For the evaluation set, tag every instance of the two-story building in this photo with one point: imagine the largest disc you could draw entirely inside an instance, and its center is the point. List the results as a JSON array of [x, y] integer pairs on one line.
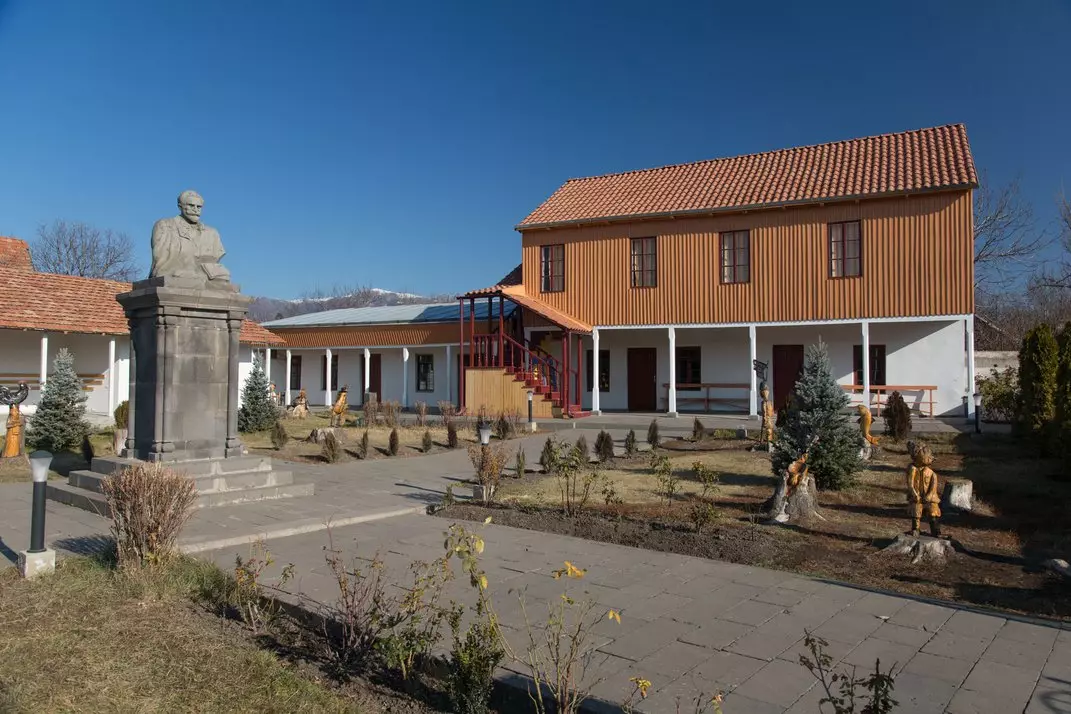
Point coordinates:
[[662, 289]]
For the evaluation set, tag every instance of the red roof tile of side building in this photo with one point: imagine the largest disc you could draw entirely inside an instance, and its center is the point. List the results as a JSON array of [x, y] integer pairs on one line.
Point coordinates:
[[15, 254], [890, 164], [66, 303]]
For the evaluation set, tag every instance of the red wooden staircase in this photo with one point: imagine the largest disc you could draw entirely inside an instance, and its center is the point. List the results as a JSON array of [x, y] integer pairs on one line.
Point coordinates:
[[543, 373]]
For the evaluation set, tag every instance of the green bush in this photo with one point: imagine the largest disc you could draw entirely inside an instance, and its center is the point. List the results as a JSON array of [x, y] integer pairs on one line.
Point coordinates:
[[604, 447], [1000, 395], [897, 417], [653, 437], [59, 422], [474, 658], [630, 444], [257, 412], [548, 455], [582, 450], [122, 414], [426, 443], [817, 423], [1037, 380]]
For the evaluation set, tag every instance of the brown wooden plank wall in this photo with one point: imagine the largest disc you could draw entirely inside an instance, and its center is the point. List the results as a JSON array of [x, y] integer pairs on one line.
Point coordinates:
[[917, 260], [406, 334]]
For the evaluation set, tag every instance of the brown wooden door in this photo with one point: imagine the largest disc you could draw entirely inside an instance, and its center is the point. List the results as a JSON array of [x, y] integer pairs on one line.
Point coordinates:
[[642, 377], [787, 366], [375, 376]]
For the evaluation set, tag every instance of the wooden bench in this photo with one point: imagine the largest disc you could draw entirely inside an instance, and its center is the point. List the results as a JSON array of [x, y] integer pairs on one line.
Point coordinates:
[[923, 404], [706, 400]]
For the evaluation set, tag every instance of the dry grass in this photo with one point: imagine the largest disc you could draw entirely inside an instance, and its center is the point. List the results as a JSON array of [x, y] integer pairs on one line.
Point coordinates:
[[91, 638], [18, 470], [297, 449]]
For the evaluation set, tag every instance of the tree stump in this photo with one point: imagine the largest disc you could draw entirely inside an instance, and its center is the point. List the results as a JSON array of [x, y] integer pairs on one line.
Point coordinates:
[[958, 494], [1060, 567], [920, 548], [794, 505], [318, 436], [866, 451]]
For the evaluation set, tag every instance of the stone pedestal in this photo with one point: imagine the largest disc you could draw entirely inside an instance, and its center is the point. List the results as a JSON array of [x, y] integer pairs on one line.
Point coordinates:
[[32, 565], [184, 370]]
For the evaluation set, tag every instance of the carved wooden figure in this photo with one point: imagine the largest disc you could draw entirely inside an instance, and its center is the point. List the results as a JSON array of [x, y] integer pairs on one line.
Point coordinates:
[[923, 494], [338, 412], [13, 439], [768, 416], [300, 410], [866, 419]]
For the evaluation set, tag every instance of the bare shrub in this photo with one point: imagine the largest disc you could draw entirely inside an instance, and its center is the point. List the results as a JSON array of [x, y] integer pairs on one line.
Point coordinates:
[[393, 443], [574, 475], [897, 417], [391, 410], [447, 411], [421, 409], [698, 431], [668, 482], [331, 450], [149, 504], [279, 437], [426, 443], [257, 608], [489, 461], [451, 434], [362, 445], [521, 462], [371, 412]]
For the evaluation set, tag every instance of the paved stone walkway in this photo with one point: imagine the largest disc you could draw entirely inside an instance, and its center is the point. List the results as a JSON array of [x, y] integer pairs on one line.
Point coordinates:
[[688, 624]]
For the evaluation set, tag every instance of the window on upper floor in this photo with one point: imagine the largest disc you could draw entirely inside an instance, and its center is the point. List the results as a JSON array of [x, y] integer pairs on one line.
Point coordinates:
[[735, 257], [552, 268], [877, 364], [604, 370], [845, 250], [689, 360], [644, 263], [425, 373]]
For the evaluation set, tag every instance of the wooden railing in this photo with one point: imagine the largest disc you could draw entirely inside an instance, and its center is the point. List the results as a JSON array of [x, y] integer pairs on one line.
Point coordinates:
[[706, 400], [923, 404], [504, 352]]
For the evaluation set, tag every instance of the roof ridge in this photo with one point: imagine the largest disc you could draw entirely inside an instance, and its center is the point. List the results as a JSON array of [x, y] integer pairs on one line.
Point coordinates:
[[788, 149]]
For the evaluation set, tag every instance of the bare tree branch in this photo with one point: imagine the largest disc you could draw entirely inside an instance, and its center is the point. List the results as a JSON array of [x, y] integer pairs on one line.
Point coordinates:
[[1060, 278], [83, 250], [1006, 239]]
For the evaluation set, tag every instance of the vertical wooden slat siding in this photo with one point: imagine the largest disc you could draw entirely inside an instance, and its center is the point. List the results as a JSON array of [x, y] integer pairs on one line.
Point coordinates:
[[917, 259], [403, 334]]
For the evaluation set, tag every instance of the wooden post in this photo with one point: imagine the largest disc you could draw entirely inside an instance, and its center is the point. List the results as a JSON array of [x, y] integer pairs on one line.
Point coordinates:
[[501, 334], [580, 371], [461, 356], [472, 332], [563, 380]]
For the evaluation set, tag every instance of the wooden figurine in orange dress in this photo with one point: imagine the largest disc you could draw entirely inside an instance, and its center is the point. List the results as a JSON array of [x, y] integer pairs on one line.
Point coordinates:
[[338, 412], [13, 439], [768, 416], [923, 494], [300, 410]]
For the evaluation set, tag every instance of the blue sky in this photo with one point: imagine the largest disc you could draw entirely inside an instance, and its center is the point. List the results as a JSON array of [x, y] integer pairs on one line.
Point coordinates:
[[397, 144]]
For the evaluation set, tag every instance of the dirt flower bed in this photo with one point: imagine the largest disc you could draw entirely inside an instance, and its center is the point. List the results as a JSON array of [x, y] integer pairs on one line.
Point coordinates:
[[1018, 521]]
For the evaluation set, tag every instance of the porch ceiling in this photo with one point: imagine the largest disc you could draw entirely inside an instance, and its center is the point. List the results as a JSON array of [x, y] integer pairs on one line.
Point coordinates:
[[559, 318]]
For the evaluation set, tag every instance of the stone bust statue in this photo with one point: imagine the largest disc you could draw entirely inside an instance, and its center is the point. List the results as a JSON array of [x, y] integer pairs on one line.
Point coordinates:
[[183, 247]]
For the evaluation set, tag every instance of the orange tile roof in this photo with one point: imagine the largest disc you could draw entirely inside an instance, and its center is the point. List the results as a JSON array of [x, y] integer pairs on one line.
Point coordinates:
[[921, 160], [65, 303], [513, 277], [15, 254], [517, 295]]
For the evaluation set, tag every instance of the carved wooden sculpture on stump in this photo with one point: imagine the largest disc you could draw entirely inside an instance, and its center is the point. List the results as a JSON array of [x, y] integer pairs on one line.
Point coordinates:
[[796, 497], [923, 493], [768, 416], [13, 439], [338, 412], [300, 410], [866, 419]]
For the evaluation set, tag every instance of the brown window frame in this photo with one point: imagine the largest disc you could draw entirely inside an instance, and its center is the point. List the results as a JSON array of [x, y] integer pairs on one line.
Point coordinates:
[[689, 359], [878, 357], [426, 361], [551, 281], [643, 262], [844, 260], [604, 370], [295, 372], [737, 272]]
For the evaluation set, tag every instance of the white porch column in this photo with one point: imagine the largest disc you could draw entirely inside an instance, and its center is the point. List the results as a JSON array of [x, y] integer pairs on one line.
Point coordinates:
[[287, 376], [449, 375], [367, 375], [672, 372], [595, 400], [111, 375], [44, 361], [865, 327], [753, 396], [267, 364], [405, 378], [968, 325], [327, 376]]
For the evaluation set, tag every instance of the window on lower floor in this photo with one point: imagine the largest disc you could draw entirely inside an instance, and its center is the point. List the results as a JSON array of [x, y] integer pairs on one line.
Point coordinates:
[[604, 370], [688, 366], [877, 364], [425, 373], [334, 372], [295, 372], [845, 250], [735, 257], [552, 268], [644, 263]]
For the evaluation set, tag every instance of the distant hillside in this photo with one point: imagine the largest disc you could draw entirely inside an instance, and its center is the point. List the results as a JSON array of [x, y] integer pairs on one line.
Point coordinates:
[[264, 309]]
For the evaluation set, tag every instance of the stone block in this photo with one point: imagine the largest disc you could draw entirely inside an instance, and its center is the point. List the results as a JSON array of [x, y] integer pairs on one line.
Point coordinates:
[[32, 565], [958, 494]]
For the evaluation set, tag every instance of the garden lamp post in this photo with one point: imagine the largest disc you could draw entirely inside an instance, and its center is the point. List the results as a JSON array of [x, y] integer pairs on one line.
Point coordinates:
[[977, 412], [38, 559], [531, 421]]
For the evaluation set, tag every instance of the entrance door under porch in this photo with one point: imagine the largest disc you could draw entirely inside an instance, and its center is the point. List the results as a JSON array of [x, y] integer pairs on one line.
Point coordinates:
[[375, 375], [642, 379], [787, 366]]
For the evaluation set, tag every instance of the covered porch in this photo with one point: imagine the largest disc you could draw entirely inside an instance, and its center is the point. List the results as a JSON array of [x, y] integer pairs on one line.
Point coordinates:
[[532, 358]]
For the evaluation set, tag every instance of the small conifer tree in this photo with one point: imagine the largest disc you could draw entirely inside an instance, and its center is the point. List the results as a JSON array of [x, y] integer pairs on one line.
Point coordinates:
[[604, 446], [331, 450], [582, 450], [1038, 360], [451, 434], [257, 412], [59, 422], [426, 443], [653, 437], [522, 462], [548, 455], [392, 443], [817, 423], [630, 444], [362, 446], [698, 432]]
